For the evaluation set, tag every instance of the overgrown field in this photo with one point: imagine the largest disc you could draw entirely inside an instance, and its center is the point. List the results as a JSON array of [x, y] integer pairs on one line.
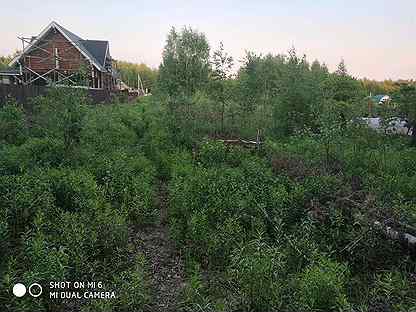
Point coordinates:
[[313, 218], [287, 227], [70, 188]]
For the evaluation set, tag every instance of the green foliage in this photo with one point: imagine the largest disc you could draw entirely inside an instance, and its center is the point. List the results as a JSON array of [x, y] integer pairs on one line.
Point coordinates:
[[108, 128], [405, 98], [111, 226], [340, 86], [219, 88], [79, 236], [74, 190], [322, 286], [132, 288], [185, 65], [13, 128], [127, 182], [241, 196], [195, 292], [34, 153], [61, 114], [257, 270], [393, 290], [21, 198], [40, 261], [129, 74], [213, 153]]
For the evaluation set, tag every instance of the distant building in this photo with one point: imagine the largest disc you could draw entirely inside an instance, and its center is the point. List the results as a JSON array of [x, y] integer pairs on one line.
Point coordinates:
[[57, 56]]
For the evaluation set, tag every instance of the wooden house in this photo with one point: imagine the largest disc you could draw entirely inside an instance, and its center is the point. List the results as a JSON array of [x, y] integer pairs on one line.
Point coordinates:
[[59, 57]]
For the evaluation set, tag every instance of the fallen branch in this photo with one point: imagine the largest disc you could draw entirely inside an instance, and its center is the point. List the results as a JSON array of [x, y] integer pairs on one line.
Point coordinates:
[[406, 238], [242, 142]]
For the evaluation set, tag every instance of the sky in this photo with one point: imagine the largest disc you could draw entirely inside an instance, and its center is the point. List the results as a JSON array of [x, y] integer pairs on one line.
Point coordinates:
[[376, 38]]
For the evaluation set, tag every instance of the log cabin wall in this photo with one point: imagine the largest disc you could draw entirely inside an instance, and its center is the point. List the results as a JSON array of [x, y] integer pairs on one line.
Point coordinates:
[[54, 42]]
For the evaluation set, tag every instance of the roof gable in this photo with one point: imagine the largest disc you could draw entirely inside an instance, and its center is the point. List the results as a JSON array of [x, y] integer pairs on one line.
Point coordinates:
[[94, 50]]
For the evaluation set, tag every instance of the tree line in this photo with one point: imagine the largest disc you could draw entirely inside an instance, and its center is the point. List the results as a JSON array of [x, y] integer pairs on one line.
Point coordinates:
[[278, 93]]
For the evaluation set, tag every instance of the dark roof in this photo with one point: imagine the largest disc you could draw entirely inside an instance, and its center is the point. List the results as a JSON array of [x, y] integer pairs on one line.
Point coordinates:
[[97, 48], [70, 34]]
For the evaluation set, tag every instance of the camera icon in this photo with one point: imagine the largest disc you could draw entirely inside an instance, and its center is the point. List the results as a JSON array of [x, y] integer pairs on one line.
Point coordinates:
[[35, 290]]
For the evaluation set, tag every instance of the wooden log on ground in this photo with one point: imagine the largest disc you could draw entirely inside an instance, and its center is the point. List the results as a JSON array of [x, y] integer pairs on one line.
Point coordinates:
[[405, 238]]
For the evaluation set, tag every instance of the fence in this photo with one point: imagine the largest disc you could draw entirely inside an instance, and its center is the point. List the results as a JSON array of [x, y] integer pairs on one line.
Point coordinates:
[[23, 94]]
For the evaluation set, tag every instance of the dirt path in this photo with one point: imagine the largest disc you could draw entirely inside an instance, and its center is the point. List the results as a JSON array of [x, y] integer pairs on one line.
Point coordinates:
[[164, 261]]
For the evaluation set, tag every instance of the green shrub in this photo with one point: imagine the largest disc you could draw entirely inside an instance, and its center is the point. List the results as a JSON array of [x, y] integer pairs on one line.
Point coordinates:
[[21, 197], [34, 153], [215, 153], [247, 198], [61, 114], [79, 236], [74, 190], [91, 235], [390, 187], [105, 131], [196, 201], [40, 261], [131, 287], [46, 261], [13, 129], [322, 286], [46, 152], [112, 231], [393, 289], [195, 293], [258, 271], [322, 188], [128, 184]]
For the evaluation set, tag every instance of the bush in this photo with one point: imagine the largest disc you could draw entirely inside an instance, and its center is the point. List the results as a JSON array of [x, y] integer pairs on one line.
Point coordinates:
[[21, 197], [91, 236], [74, 190], [195, 293], [392, 289], [79, 236], [106, 130], [128, 184], [322, 286], [60, 114], [112, 232], [258, 271], [40, 261], [247, 198], [132, 290], [13, 128], [34, 153], [213, 153]]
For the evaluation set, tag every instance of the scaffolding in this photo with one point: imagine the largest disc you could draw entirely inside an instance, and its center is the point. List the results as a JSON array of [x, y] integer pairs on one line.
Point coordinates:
[[54, 74]]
